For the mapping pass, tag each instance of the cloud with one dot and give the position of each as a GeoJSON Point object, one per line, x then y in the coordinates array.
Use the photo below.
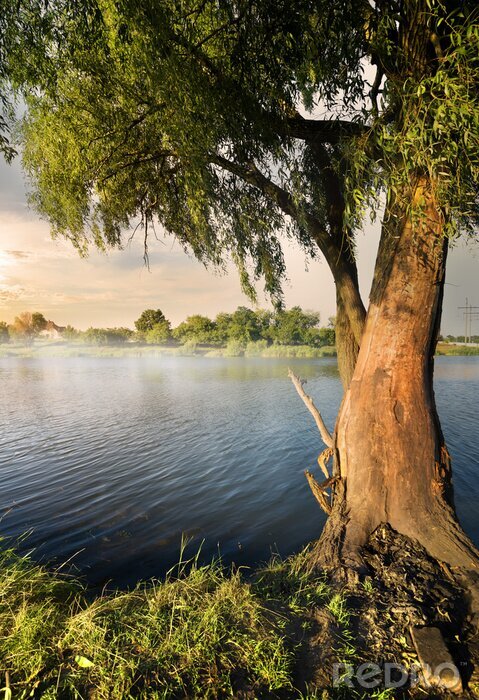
{"type": "Point", "coordinates": [10, 293]}
{"type": "Point", "coordinates": [18, 254]}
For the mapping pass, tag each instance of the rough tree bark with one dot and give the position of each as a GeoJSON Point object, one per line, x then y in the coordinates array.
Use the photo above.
{"type": "Point", "coordinates": [391, 459]}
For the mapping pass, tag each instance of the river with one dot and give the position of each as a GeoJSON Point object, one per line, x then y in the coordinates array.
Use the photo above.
{"type": "Point", "coordinates": [107, 462]}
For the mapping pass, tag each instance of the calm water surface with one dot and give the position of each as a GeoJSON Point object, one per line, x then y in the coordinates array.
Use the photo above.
{"type": "Point", "coordinates": [109, 461]}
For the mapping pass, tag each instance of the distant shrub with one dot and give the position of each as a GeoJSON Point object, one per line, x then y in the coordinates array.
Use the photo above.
{"type": "Point", "coordinates": [159, 334]}
{"type": "Point", "coordinates": [106, 336]}
{"type": "Point", "coordinates": [197, 328]}
{"type": "Point", "coordinates": [304, 351]}
{"type": "Point", "coordinates": [457, 350]}
{"type": "Point", "coordinates": [4, 334]}
{"type": "Point", "coordinates": [71, 334]}
{"type": "Point", "coordinates": [328, 351]}
{"type": "Point", "coordinates": [256, 348]}
{"type": "Point", "coordinates": [234, 348]}
{"type": "Point", "coordinates": [188, 348]}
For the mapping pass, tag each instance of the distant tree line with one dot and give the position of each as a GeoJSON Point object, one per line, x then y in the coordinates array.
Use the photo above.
{"type": "Point", "coordinates": [458, 339]}
{"type": "Point", "coordinates": [286, 327]}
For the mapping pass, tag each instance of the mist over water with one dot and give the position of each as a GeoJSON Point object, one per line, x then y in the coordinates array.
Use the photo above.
{"type": "Point", "coordinates": [111, 460]}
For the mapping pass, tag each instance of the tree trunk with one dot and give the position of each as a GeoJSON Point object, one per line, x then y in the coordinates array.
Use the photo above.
{"type": "Point", "coordinates": [347, 347]}
{"type": "Point", "coordinates": [390, 454]}
{"type": "Point", "coordinates": [340, 255]}
{"type": "Point", "coordinates": [350, 310]}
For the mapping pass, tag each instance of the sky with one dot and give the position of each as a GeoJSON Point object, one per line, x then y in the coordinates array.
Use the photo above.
{"type": "Point", "coordinates": [105, 290]}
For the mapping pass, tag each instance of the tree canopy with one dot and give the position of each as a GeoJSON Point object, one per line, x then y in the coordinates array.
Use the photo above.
{"type": "Point", "coordinates": [148, 319]}
{"type": "Point", "coordinates": [196, 328]}
{"type": "Point", "coordinates": [29, 324]}
{"type": "Point", "coordinates": [4, 332]}
{"type": "Point", "coordinates": [193, 114]}
{"type": "Point", "coordinates": [295, 327]}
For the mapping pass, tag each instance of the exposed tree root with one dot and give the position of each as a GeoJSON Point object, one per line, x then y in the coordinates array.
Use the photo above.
{"type": "Point", "coordinates": [402, 589]}
{"type": "Point", "coordinates": [408, 587]}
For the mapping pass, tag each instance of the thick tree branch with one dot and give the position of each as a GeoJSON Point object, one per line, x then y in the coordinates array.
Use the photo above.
{"type": "Point", "coordinates": [154, 157]}
{"type": "Point", "coordinates": [373, 95]}
{"type": "Point", "coordinates": [252, 175]}
{"type": "Point", "coordinates": [298, 385]}
{"type": "Point", "coordinates": [343, 265]}
{"type": "Point", "coordinates": [285, 201]}
{"type": "Point", "coordinates": [330, 131]}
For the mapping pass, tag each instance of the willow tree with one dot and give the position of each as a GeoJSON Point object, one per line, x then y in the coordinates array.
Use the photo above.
{"type": "Point", "coordinates": [204, 116]}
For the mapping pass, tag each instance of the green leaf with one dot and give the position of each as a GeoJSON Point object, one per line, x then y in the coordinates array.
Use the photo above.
{"type": "Point", "coordinates": [83, 662]}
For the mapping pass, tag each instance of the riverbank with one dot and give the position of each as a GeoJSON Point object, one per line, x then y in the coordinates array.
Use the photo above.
{"type": "Point", "coordinates": [257, 349]}
{"type": "Point", "coordinates": [456, 349]}
{"type": "Point", "coordinates": [282, 632]}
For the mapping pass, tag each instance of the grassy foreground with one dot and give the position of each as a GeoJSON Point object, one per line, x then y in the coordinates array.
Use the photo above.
{"type": "Point", "coordinates": [201, 633]}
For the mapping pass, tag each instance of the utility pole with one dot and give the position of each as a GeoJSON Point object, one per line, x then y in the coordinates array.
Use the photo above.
{"type": "Point", "coordinates": [469, 312]}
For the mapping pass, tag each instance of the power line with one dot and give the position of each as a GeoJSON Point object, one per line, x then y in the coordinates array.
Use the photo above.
{"type": "Point", "coordinates": [469, 313]}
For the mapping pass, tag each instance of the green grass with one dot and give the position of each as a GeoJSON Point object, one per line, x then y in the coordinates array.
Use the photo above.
{"type": "Point", "coordinates": [203, 632]}
{"type": "Point", "coordinates": [65, 350]}
{"type": "Point", "coordinates": [233, 349]}
{"type": "Point", "coordinates": [451, 349]}
{"type": "Point", "coordinates": [200, 634]}
{"type": "Point", "coordinates": [349, 694]}
{"type": "Point", "coordinates": [291, 351]}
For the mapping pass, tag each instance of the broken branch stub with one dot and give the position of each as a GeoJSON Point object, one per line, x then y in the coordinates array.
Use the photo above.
{"type": "Point", "coordinates": [323, 460]}
{"type": "Point", "coordinates": [319, 490]}
{"type": "Point", "coordinates": [324, 432]}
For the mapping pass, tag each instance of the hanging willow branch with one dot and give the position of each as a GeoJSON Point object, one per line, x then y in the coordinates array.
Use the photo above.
{"type": "Point", "coordinates": [298, 385]}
